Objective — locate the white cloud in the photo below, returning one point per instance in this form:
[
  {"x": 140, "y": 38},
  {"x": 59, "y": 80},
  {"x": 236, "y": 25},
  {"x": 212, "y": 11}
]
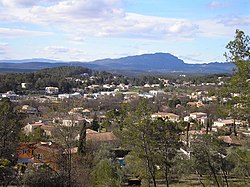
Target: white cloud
[
  {"x": 26, "y": 3},
  {"x": 11, "y": 33},
  {"x": 191, "y": 58},
  {"x": 184, "y": 27},
  {"x": 3, "y": 44},
  {"x": 61, "y": 52},
  {"x": 87, "y": 8},
  {"x": 18, "y": 3},
  {"x": 219, "y": 4},
  {"x": 107, "y": 18},
  {"x": 3, "y": 48},
  {"x": 56, "y": 49},
  {"x": 78, "y": 39},
  {"x": 234, "y": 20},
  {"x": 99, "y": 18},
  {"x": 211, "y": 28}
]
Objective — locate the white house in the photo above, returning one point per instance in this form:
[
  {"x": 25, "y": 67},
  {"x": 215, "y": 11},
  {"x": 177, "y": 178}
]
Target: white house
[
  {"x": 227, "y": 123},
  {"x": 199, "y": 117},
  {"x": 29, "y": 128},
  {"x": 29, "y": 109},
  {"x": 166, "y": 116},
  {"x": 11, "y": 95},
  {"x": 196, "y": 115},
  {"x": 156, "y": 92},
  {"x": 72, "y": 122},
  {"x": 51, "y": 90}
]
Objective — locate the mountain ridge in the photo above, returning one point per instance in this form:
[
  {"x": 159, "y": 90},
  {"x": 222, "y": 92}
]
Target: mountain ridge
[{"x": 157, "y": 62}]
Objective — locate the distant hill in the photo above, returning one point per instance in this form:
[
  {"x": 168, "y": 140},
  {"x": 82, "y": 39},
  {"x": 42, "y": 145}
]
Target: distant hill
[
  {"x": 146, "y": 63},
  {"x": 30, "y": 60}
]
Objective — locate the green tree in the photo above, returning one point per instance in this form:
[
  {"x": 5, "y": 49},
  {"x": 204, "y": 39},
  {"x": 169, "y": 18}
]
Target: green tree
[
  {"x": 95, "y": 124},
  {"x": 104, "y": 174},
  {"x": 210, "y": 159},
  {"x": 7, "y": 172},
  {"x": 9, "y": 129},
  {"x": 138, "y": 135},
  {"x": 43, "y": 177},
  {"x": 167, "y": 144},
  {"x": 239, "y": 54},
  {"x": 37, "y": 135},
  {"x": 240, "y": 157},
  {"x": 82, "y": 140}
]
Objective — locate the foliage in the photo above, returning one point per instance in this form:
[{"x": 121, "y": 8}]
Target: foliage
[
  {"x": 43, "y": 177},
  {"x": 7, "y": 172},
  {"x": 167, "y": 144},
  {"x": 9, "y": 129},
  {"x": 210, "y": 158},
  {"x": 240, "y": 157},
  {"x": 239, "y": 54},
  {"x": 95, "y": 124},
  {"x": 104, "y": 174},
  {"x": 155, "y": 143}
]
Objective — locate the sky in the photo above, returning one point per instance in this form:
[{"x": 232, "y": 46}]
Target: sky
[{"x": 196, "y": 31}]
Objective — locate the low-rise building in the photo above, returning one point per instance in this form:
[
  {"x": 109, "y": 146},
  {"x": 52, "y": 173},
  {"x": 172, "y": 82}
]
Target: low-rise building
[
  {"x": 166, "y": 116},
  {"x": 29, "y": 109},
  {"x": 11, "y": 95},
  {"x": 227, "y": 123},
  {"x": 51, "y": 90},
  {"x": 30, "y": 127}
]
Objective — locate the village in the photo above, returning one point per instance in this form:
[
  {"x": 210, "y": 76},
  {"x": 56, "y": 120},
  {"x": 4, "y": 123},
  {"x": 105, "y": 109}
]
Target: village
[{"x": 55, "y": 123}]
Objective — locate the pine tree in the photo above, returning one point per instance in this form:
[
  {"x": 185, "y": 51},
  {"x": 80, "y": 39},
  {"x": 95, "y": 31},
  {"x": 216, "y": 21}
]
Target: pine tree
[{"x": 239, "y": 84}]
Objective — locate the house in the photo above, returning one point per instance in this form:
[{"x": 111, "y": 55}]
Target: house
[
  {"x": 24, "y": 85},
  {"x": 146, "y": 95},
  {"x": 75, "y": 111},
  {"x": 11, "y": 95},
  {"x": 29, "y": 109},
  {"x": 196, "y": 115},
  {"x": 48, "y": 129},
  {"x": 227, "y": 123},
  {"x": 75, "y": 94},
  {"x": 63, "y": 96},
  {"x": 38, "y": 154},
  {"x": 94, "y": 86},
  {"x": 99, "y": 137},
  {"x": 209, "y": 99},
  {"x": 86, "y": 112},
  {"x": 108, "y": 93},
  {"x": 166, "y": 116},
  {"x": 103, "y": 137},
  {"x": 195, "y": 104},
  {"x": 67, "y": 96},
  {"x": 156, "y": 92},
  {"x": 193, "y": 136},
  {"x": 51, "y": 90},
  {"x": 25, "y": 153},
  {"x": 244, "y": 131},
  {"x": 123, "y": 87},
  {"x": 29, "y": 128},
  {"x": 199, "y": 117},
  {"x": 47, "y": 153},
  {"x": 72, "y": 122},
  {"x": 187, "y": 118},
  {"x": 230, "y": 140}
]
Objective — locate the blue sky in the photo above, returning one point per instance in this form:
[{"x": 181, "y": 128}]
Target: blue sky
[{"x": 196, "y": 31}]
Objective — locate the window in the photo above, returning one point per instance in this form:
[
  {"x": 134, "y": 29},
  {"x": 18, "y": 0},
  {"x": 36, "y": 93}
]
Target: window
[
  {"x": 39, "y": 156},
  {"x": 25, "y": 151}
]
